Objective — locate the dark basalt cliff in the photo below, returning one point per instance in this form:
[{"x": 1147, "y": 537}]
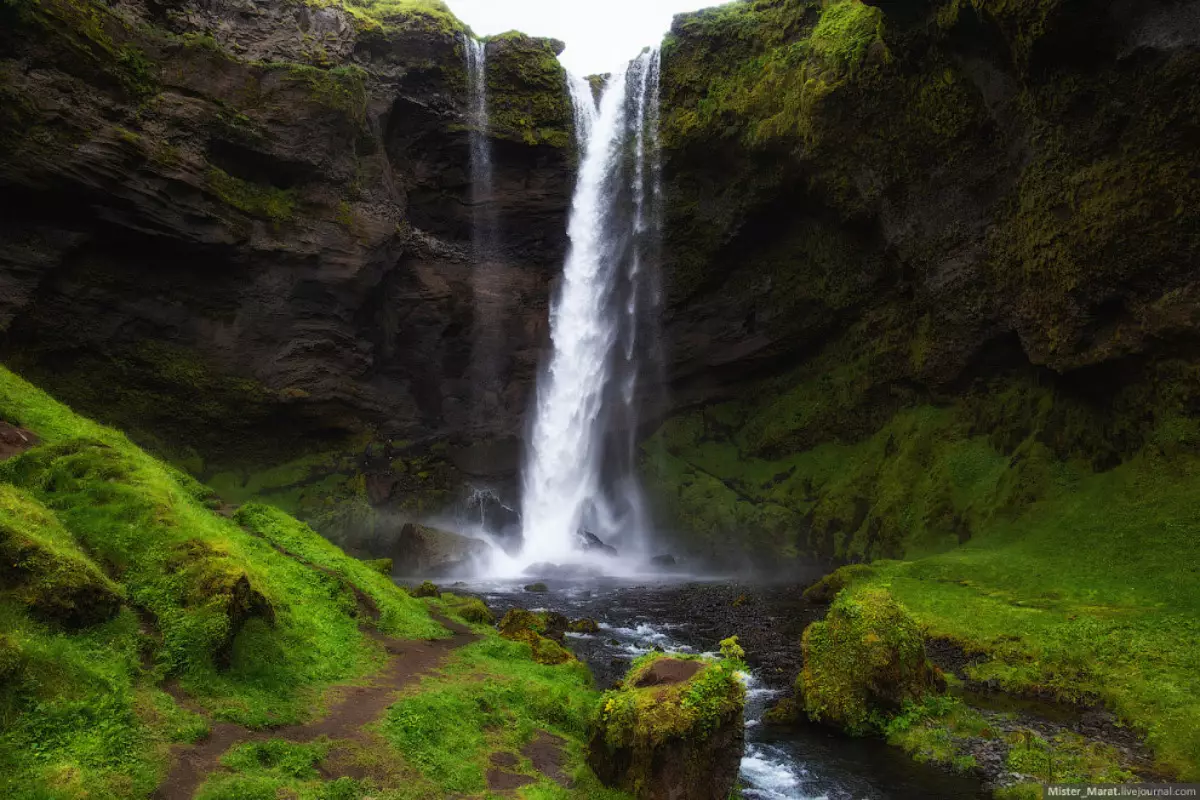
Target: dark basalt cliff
[
  {"x": 242, "y": 231},
  {"x": 898, "y": 228}
]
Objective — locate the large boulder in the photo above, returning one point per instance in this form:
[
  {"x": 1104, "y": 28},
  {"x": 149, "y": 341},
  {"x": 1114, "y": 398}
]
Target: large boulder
[
  {"x": 863, "y": 661},
  {"x": 422, "y": 550},
  {"x": 672, "y": 730}
]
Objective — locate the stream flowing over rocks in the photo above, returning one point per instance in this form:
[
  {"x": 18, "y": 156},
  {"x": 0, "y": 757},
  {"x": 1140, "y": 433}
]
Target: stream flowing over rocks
[{"x": 805, "y": 762}]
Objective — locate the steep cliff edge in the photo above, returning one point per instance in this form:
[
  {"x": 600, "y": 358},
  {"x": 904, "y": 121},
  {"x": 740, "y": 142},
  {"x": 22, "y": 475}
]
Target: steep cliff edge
[
  {"x": 909, "y": 243},
  {"x": 243, "y": 232}
]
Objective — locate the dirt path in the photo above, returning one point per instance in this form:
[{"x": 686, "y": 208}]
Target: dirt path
[{"x": 351, "y": 708}]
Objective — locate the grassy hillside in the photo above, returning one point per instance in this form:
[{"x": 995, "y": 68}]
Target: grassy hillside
[{"x": 134, "y": 616}]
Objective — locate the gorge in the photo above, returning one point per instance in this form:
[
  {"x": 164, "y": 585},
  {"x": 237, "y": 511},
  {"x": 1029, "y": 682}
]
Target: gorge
[{"x": 878, "y": 316}]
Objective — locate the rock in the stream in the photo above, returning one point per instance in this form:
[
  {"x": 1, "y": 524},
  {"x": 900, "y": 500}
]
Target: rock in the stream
[
  {"x": 536, "y": 588},
  {"x": 673, "y": 731},
  {"x": 592, "y": 543},
  {"x": 867, "y": 654},
  {"x": 422, "y": 550},
  {"x": 664, "y": 561}
]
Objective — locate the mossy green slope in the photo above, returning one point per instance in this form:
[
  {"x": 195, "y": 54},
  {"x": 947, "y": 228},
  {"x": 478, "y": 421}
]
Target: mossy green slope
[{"x": 255, "y": 635}]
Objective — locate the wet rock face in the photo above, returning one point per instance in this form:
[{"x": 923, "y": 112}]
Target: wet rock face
[
  {"x": 875, "y": 207},
  {"x": 421, "y": 550},
  {"x": 242, "y": 231},
  {"x": 937, "y": 175}
]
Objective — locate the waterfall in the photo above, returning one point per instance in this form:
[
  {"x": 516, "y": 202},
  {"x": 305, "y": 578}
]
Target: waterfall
[
  {"x": 483, "y": 370},
  {"x": 580, "y": 472}
]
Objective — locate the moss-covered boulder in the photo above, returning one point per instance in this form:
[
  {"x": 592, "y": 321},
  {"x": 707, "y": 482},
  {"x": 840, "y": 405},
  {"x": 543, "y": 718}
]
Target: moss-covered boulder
[
  {"x": 584, "y": 625},
  {"x": 863, "y": 661},
  {"x": 672, "y": 729},
  {"x": 426, "y": 589},
  {"x": 44, "y": 569},
  {"x": 542, "y": 650},
  {"x": 472, "y": 609},
  {"x": 545, "y": 623},
  {"x": 543, "y": 631},
  {"x": 527, "y": 91}
]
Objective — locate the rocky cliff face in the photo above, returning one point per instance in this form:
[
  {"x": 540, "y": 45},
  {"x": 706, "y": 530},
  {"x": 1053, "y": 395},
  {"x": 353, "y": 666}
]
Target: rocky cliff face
[
  {"x": 910, "y": 240},
  {"x": 242, "y": 231}
]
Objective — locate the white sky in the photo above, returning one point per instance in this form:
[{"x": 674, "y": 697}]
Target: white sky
[{"x": 600, "y": 34}]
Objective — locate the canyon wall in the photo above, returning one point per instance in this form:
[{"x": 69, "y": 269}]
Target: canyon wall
[
  {"x": 242, "y": 232},
  {"x": 924, "y": 259}
]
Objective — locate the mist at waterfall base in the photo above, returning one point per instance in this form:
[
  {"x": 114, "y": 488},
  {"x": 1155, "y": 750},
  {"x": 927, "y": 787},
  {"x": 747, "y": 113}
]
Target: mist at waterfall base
[{"x": 581, "y": 503}]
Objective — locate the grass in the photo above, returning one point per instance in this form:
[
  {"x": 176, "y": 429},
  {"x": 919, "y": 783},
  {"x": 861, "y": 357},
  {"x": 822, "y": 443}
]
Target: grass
[
  {"x": 1091, "y": 594},
  {"x": 256, "y": 636},
  {"x": 491, "y": 696}
]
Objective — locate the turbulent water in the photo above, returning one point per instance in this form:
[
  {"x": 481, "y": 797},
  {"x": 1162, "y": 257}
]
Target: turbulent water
[{"x": 580, "y": 473}]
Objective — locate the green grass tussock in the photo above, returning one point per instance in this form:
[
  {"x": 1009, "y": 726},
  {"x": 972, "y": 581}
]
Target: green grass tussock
[{"x": 44, "y": 569}]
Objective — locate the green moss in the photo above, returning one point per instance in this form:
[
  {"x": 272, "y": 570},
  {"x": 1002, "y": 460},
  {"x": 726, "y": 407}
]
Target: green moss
[
  {"x": 633, "y": 723},
  {"x": 863, "y": 662},
  {"x": 936, "y": 729},
  {"x": 1066, "y": 758},
  {"x": 527, "y": 91},
  {"x": 44, "y": 569},
  {"x": 845, "y": 31},
  {"x": 257, "y": 200},
  {"x": 826, "y": 589},
  {"x": 426, "y": 16},
  {"x": 342, "y": 88},
  {"x": 95, "y": 42}
]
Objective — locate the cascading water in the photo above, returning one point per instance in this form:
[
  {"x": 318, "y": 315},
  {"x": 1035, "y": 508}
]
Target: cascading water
[
  {"x": 483, "y": 367},
  {"x": 580, "y": 471}
]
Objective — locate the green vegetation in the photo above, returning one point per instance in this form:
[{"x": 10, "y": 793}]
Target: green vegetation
[
  {"x": 254, "y": 635},
  {"x": 931, "y": 731},
  {"x": 43, "y": 569},
  {"x": 257, "y": 200},
  {"x": 491, "y": 697},
  {"x": 527, "y": 91},
  {"x": 635, "y": 722},
  {"x": 96, "y": 42},
  {"x": 394, "y": 613},
  {"x": 276, "y": 768},
  {"x": 342, "y": 88},
  {"x": 432, "y": 16},
  {"x": 863, "y": 662}
]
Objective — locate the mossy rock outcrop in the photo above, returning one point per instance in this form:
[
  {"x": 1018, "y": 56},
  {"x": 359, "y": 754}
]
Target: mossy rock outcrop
[
  {"x": 672, "y": 729},
  {"x": 543, "y": 631},
  {"x": 863, "y": 662},
  {"x": 44, "y": 569},
  {"x": 550, "y": 624}
]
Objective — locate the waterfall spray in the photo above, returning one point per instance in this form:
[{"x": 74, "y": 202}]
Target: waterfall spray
[{"x": 581, "y": 471}]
